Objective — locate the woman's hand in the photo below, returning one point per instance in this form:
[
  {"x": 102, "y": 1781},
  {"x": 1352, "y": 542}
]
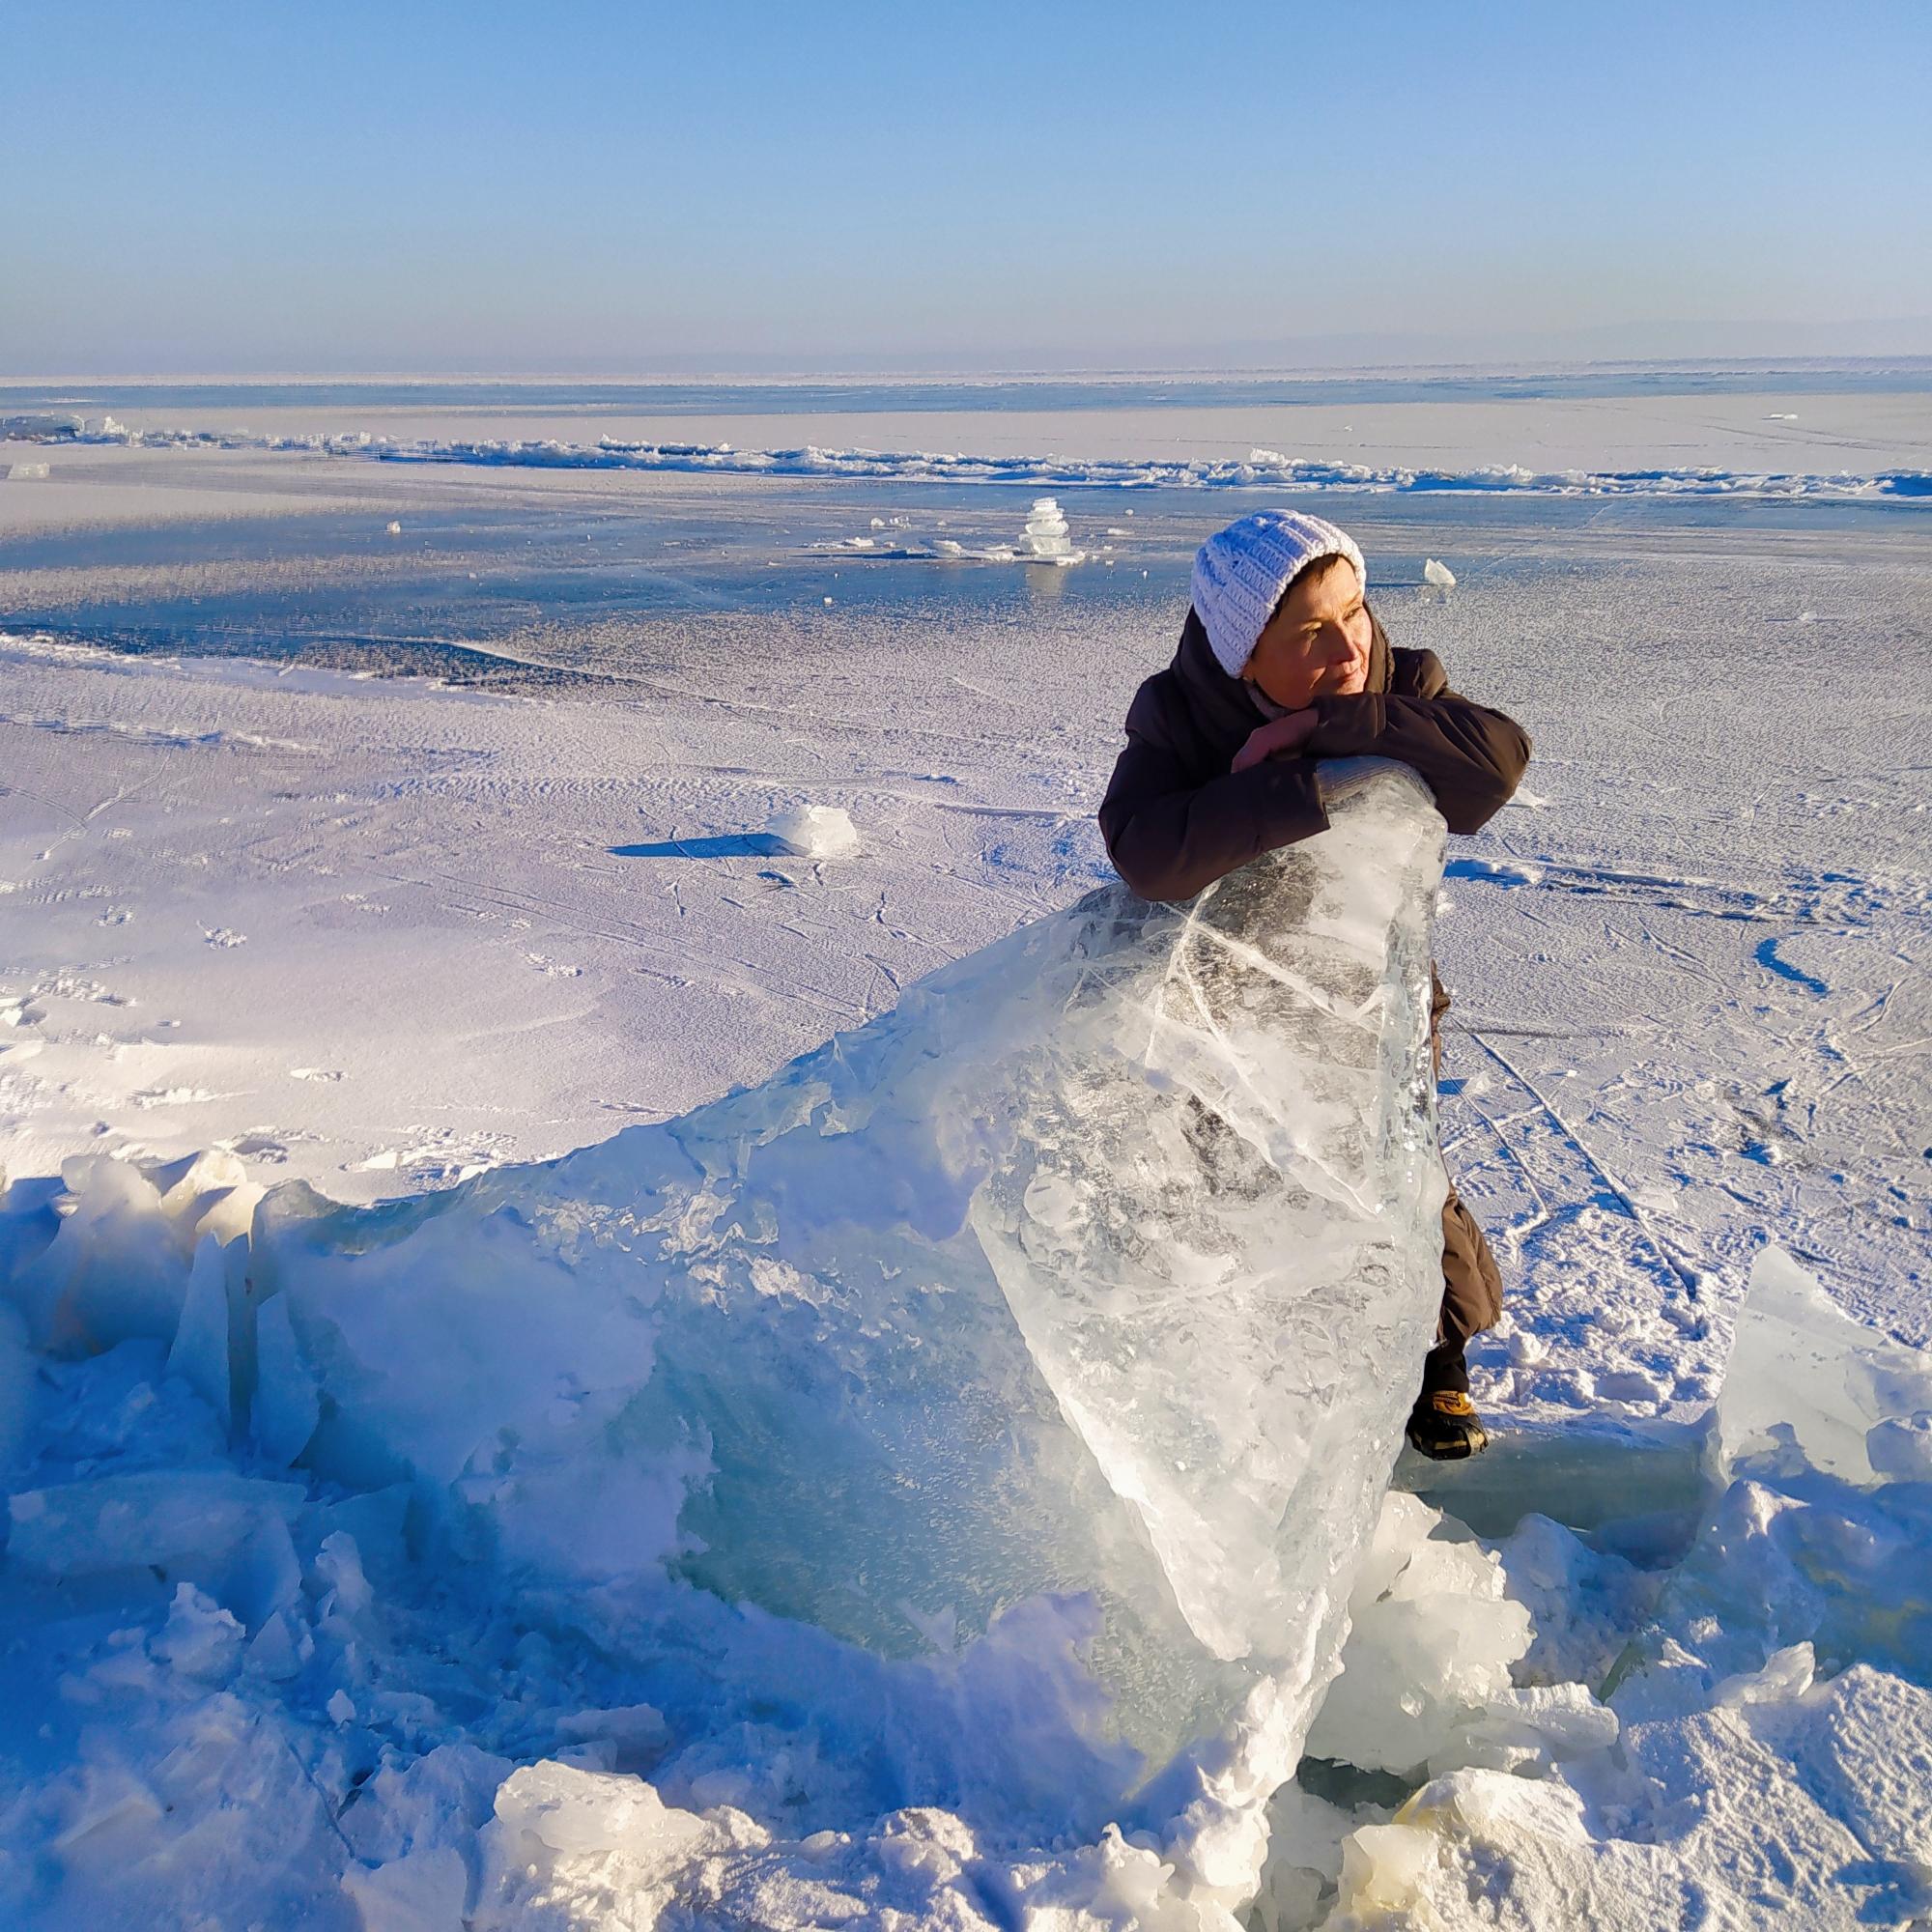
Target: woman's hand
[{"x": 1276, "y": 739}]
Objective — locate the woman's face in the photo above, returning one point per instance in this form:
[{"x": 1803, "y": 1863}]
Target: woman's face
[{"x": 1317, "y": 644}]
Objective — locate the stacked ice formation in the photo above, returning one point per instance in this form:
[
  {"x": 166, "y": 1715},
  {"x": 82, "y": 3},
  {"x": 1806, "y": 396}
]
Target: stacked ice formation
[{"x": 1044, "y": 539}]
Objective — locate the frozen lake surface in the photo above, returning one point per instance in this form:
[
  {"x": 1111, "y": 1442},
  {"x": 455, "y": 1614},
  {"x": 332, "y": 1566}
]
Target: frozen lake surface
[{"x": 382, "y": 857}]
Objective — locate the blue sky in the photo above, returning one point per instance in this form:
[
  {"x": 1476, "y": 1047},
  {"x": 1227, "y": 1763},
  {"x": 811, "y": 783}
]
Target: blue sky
[{"x": 272, "y": 187}]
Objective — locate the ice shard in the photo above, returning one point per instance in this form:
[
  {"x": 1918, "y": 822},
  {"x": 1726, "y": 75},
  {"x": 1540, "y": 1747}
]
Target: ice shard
[{"x": 1086, "y": 1287}]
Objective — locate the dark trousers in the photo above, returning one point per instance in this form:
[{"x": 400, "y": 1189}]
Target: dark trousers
[
  {"x": 1472, "y": 1296},
  {"x": 1473, "y": 1285}
]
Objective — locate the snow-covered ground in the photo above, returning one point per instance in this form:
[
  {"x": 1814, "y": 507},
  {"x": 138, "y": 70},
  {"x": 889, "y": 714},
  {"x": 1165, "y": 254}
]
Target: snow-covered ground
[{"x": 377, "y": 933}]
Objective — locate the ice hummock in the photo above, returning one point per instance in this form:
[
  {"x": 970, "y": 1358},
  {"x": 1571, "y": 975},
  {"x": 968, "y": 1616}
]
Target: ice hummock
[
  {"x": 1751, "y": 1718},
  {"x": 1261, "y": 466},
  {"x": 986, "y": 1412},
  {"x": 1807, "y": 1386},
  {"x": 1072, "y": 1302}
]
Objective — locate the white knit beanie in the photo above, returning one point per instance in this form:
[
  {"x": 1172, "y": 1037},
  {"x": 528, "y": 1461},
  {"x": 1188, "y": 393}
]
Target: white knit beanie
[{"x": 1239, "y": 574}]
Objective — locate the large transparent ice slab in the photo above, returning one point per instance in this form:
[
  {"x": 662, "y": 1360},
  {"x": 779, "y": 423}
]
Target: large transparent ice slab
[{"x": 1097, "y": 1271}]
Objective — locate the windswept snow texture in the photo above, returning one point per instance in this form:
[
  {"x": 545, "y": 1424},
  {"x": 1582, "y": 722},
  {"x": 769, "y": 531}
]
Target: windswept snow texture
[
  {"x": 997, "y": 1401},
  {"x": 379, "y": 934}
]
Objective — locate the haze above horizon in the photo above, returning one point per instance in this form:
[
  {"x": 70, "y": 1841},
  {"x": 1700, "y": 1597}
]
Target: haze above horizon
[{"x": 750, "y": 190}]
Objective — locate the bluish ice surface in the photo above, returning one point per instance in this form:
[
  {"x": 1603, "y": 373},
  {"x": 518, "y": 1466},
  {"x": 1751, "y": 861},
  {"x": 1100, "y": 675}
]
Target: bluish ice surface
[{"x": 456, "y": 591}]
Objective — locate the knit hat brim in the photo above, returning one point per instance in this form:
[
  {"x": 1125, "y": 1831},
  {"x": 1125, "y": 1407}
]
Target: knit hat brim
[{"x": 1241, "y": 572}]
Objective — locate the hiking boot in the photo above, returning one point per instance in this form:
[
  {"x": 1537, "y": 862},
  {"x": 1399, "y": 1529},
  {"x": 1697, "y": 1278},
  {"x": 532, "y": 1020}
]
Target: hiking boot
[{"x": 1444, "y": 1426}]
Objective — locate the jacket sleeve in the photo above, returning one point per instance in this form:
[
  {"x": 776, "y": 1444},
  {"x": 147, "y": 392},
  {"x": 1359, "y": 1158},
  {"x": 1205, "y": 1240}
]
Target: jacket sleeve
[
  {"x": 1168, "y": 839},
  {"x": 1471, "y": 757}
]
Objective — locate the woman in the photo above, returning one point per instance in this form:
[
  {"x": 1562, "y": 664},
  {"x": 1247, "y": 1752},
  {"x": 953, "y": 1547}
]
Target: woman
[{"x": 1281, "y": 663}]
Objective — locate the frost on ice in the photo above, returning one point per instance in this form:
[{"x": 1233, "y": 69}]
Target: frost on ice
[{"x": 923, "y": 1489}]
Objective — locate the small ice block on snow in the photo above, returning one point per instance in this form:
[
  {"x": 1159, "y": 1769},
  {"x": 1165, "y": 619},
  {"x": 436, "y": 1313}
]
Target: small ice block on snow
[{"x": 815, "y": 832}]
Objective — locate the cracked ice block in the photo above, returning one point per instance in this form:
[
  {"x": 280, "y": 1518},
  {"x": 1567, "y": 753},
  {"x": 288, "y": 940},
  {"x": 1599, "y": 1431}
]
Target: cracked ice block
[{"x": 1097, "y": 1270}]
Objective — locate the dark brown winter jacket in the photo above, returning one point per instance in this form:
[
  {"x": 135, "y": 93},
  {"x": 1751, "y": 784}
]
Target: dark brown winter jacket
[{"x": 1176, "y": 818}]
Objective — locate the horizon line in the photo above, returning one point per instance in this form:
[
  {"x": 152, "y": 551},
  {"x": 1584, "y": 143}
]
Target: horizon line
[{"x": 982, "y": 374}]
